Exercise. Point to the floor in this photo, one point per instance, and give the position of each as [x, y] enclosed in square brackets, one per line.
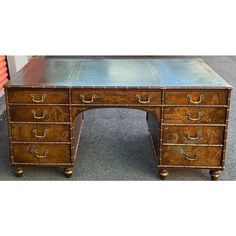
[115, 144]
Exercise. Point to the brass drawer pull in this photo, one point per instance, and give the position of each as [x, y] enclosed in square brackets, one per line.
[35, 152]
[186, 156]
[44, 96]
[45, 112]
[34, 131]
[201, 97]
[88, 101]
[138, 98]
[198, 136]
[200, 114]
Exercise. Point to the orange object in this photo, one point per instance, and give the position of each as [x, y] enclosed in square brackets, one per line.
[3, 72]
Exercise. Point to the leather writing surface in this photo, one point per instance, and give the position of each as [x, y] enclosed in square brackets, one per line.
[118, 73]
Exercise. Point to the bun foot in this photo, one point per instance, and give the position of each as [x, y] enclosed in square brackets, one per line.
[68, 172]
[19, 171]
[215, 174]
[163, 174]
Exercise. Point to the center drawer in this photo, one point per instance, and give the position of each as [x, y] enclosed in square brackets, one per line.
[40, 133]
[41, 153]
[39, 113]
[194, 115]
[116, 97]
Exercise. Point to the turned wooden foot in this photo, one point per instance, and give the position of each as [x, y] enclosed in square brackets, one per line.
[163, 174]
[18, 171]
[215, 174]
[68, 172]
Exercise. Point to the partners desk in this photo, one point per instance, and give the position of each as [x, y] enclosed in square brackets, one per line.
[187, 106]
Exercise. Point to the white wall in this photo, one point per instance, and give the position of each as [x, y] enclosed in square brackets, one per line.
[20, 61]
[15, 63]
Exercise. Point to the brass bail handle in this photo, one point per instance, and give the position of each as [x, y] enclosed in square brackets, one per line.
[35, 152]
[35, 133]
[45, 112]
[88, 101]
[200, 99]
[43, 97]
[138, 98]
[195, 156]
[200, 114]
[198, 135]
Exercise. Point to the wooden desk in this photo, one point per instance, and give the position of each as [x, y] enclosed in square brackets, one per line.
[187, 107]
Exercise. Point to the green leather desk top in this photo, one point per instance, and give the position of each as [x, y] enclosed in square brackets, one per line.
[124, 73]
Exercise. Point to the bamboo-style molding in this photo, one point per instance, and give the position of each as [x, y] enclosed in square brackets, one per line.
[192, 167]
[71, 125]
[192, 144]
[42, 164]
[196, 124]
[39, 142]
[226, 128]
[40, 122]
[9, 128]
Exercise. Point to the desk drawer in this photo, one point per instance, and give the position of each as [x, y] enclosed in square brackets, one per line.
[191, 156]
[38, 96]
[39, 113]
[193, 135]
[40, 133]
[41, 153]
[196, 97]
[194, 115]
[116, 97]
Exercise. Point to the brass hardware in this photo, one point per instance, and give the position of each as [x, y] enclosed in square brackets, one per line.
[200, 114]
[35, 152]
[88, 101]
[186, 156]
[34, 131]
[198, 136]
[138, 98]
[45, 112]
[201, 97]
[44, 96]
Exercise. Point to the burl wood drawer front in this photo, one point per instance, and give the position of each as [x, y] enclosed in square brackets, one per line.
[197, 97]
[193, 135]
[41, 96]
[40, 133]
[191, 156]
[39, 113]
[116, 97]
[194, 115]
[40, 153]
